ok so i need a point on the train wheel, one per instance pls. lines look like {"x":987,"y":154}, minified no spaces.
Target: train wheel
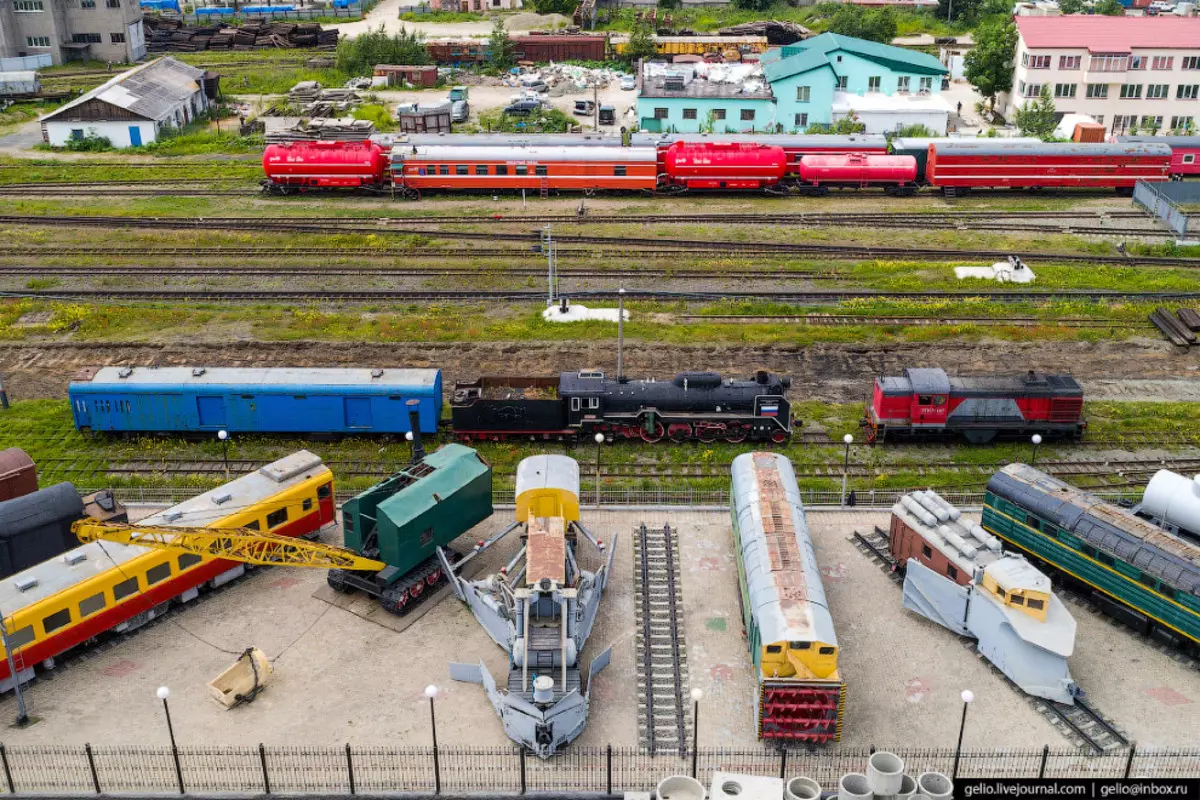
{"x":707,"y":435}
{"x":652,"y":436}
{"x":779,"y":437}
{"x":680,"y":432}
{"x":736,"y":435}
{"x":979,"y":437}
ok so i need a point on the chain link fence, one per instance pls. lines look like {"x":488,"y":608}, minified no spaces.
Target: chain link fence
{"x":84,"y":769}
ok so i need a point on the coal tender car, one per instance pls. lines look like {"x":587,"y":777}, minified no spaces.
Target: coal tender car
{"x":699,"y":406}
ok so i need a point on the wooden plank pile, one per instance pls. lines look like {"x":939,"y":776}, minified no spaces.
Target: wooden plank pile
{"x":1180,"y":328}
{"x":256,"y":33}
{"x":315,"y":130}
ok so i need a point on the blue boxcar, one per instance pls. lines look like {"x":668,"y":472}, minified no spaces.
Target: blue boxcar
{"x":251,"y":400}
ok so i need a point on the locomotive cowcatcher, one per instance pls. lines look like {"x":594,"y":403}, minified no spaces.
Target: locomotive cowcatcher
{"x":926,"y":402}
{"x":692,"y":405}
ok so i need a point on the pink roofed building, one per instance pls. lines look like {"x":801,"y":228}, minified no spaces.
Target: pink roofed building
{"x":1125,"y":72}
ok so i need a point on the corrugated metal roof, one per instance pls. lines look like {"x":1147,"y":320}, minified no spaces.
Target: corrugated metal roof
{"x":1100,"y":34}
{"x":150,"y":90}
{"x":261,"y":376}
{"x":813,"y":53}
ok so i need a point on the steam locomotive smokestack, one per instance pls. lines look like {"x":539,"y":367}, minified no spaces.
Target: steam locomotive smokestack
{"x":414,"y":424}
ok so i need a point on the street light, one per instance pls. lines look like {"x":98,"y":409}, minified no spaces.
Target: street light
{"x":223,"y":435}
{"x":848,"y":439}
{"x":967,"y":697}
{"x":599,"y":441}
{"x":163,"y":693}
{"x":697,"y":696}
{"x":1036,"y":439}
{"x":431,"y":692}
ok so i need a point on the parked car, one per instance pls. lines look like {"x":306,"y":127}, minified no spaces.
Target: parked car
{"x":534,"y":85}
{"x":459,"y":110}
{"x":584,"y":107}
{"x":608,"y":115}
{"x":628,"y":83}
{"x":522,"y":108}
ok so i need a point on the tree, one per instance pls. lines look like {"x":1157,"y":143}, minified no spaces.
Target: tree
{"x":876,"y":25}
{"x":564,"y":7}
{"x":669,"y":5}
{"x":753,"y":5}
{"x":989,"y":64}
{"x":641,"y":45}
{"x":358,"y":56}
{"x":1071,"y":6}
{"x":1038,"y":118}
{"x":1109,"y":8}
{"x":501,"y":49}
{"x":958,"y":10}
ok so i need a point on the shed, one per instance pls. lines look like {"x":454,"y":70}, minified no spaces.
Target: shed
{"x":416,"y":118}
{"x":424,"y":77}
{"x":19,"y":84}
{"x":131,"y":108}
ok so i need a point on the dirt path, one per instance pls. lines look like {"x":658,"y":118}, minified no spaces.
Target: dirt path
{"x":1128,"y":370}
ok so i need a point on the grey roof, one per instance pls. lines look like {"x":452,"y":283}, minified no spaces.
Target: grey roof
{"x":996,"y":147}
{"x":261,"y":376}
{"x":654,"y":86}
{"x":150,"y":90}
{"x":1172,"y":141}
{"x":928,"y":381}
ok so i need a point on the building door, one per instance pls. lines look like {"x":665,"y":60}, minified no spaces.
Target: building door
{"x":358,"y":412}
{"x":135,"y":136}
{"x":211,"y":410}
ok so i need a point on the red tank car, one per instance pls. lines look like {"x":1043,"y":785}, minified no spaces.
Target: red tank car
{"x":324,"y":165}
{"x":925,"y":402}
{"x":893,"y":174}
{"x":724,"y":165}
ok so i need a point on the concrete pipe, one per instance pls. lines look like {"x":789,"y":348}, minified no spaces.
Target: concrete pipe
{"x":936,"y":785}
{"x":802,"y":789}
{"x":680,"y":787}
{"x":908,"y":788}
{"x":885,"y":771}
{"x":854,"y":786}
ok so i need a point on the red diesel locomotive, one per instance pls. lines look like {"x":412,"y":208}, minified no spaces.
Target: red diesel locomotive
{"x":925,"y":402}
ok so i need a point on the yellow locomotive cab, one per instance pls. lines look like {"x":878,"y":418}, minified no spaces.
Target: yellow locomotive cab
{"x":800,"y":660}
{"x":548,"y":486}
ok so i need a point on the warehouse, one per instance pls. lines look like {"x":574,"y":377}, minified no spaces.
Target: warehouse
{"x":131,"y":109}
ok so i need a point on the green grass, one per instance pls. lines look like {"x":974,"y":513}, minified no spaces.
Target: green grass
{"x":447,"y":16}
{"x":712,"y":18}
{"x":377,"y":114}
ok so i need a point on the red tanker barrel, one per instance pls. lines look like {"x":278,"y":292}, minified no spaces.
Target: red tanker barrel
{"x":724,"y":165}
{"x":324,"y":164}
{"x":858,"y":169}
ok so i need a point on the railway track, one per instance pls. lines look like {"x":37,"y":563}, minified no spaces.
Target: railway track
{"x":662,"y":677}
{"x":858,"y":319}
{"x":1082,"y":724}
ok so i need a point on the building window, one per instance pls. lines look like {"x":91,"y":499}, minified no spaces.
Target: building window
{"x":117,"y":38}
{"x":277,"y":517}
{"x":521,"y":169}
{"x":443,"y":169}
{"x":660,"y":113}
{"x":28,"y":5}
{"x":803,"y":93}
{"x":461,"y":169}
{"x":158,"y":573}
{"x":1157,"y":91}
{"x":86,"y":38}
{"x":1191,"y":62}
{"x":802,"y":120}
{"x":1097,"y":91}
{"x":1152,"y":122}
{"x":689,"y":113}
{"x":1131,"y":91}
{"x":1099,"y":118}
{"x":952,"y":573}
{"x":1187,"y":91}
{"x":87,"y":3}
{"x":37,"y":41}
{"x":501,"y":169}
{"x":1181,"y":124}
{"x":1162,"y":62}
{"x":76,"y":133}
{"x":1120,"y":122}
{"x":718,"y":113}
{"x":112,"y":3}
{"x":1064,"y":89}
{"x":843,"y":81}
{"x":926,"y":84}
{"x":1069,"y":62}
{"x":1109,"y":62}
{"x":188,"y":560}
{"x":747,"y":115}
{"x":1035,"y":62}
{"x":902,"y":83}
{"x":542,"y":170}
{"x":90,"y":605}
{"x":481,"y":169}
{"x":57,"y":620}
{"x":926,"y":551}
{"x":1137,"y":62}
{"x":873,"y":83}
{"x":1032,"y":90}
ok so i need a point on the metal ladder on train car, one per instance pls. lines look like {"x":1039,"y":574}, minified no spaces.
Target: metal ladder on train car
{"x":545,"y":187}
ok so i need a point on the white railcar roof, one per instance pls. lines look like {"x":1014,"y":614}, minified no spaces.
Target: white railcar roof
{"x":548,"y":472}
{"x":66,"y":570}
{"x":516,"y":152}
{"x":264,"y":376}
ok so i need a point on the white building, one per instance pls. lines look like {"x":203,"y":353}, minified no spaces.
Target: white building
{"x":1120,"y":71}
{"x":130,"y":109}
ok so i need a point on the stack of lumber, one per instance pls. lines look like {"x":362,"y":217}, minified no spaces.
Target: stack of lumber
{"x":315,"y":130}
{"x":1180,"y":328}
{"x":777,"y":33}
{"x":256,"y":33}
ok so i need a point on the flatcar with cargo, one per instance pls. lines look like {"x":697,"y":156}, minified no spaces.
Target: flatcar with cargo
{"x":925,"y":402}
{"x":1142,"y":573}
{"x":693,"y":405}
{"x":1185,"y":152}
{"x":955,"y":167}
{"x":800,"y":694}
{"x":204,"y":400}
{"x":57,"y":605}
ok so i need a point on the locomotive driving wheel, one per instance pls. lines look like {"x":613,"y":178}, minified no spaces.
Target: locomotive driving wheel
{"x":679,"y":432}
{"x":654,"y":435}
{"x":779,"y":437}
{"x":708,"y":433}
{"x":736,"y":434}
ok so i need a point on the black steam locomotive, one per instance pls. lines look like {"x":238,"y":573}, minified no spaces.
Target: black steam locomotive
{"x":693,"y":405}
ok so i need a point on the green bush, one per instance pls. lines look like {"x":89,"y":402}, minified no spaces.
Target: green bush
{"x":359,"y":55}
{"x":378,"y":115}
{"x":89,"y":144}
{"x":545,"y":120}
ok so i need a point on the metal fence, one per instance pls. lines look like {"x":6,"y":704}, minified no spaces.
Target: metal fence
{"x":84,"y":769}
{"x":22,"y":63}
{"x":350,"y":12}
{"x":1162,"y":199}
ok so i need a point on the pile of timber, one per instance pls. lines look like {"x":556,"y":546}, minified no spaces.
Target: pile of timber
{"x":777,"y":33}
{"x":315,"y":130}
{"x":1180,"y":328}
{"x":165,"y":34}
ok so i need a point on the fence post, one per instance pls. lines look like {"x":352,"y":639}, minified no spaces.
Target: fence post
{"x":522,"y":759}
{"x":783,"y":763}
{"x":608,"y":769}
{"x":1129,"y":761}
{"x":437,"y":772}
{"x":262,"y":760}
{"x":350,"y":767}
{"x":1045,"y":758}
{"x":87,"y":748}
{"x":7,"y":772}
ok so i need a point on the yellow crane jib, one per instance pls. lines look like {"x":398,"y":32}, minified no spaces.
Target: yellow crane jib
{"x":243,"y":545}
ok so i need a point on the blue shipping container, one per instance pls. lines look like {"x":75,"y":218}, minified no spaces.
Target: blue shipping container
{"x":255,"y":400}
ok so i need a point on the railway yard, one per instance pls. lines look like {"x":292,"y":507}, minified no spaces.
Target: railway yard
{"x":186,"y":263}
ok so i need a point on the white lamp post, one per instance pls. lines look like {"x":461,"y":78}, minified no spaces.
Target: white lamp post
{"x":967,"y":698}
{"x":431,"y":692}
{"x":697,"y":696}
{"x":1036,"y":439}
{"x":848,"y":439}
{"x":163,"y":693}
{"x":223,"y":435}
{"x":599,"y":441}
